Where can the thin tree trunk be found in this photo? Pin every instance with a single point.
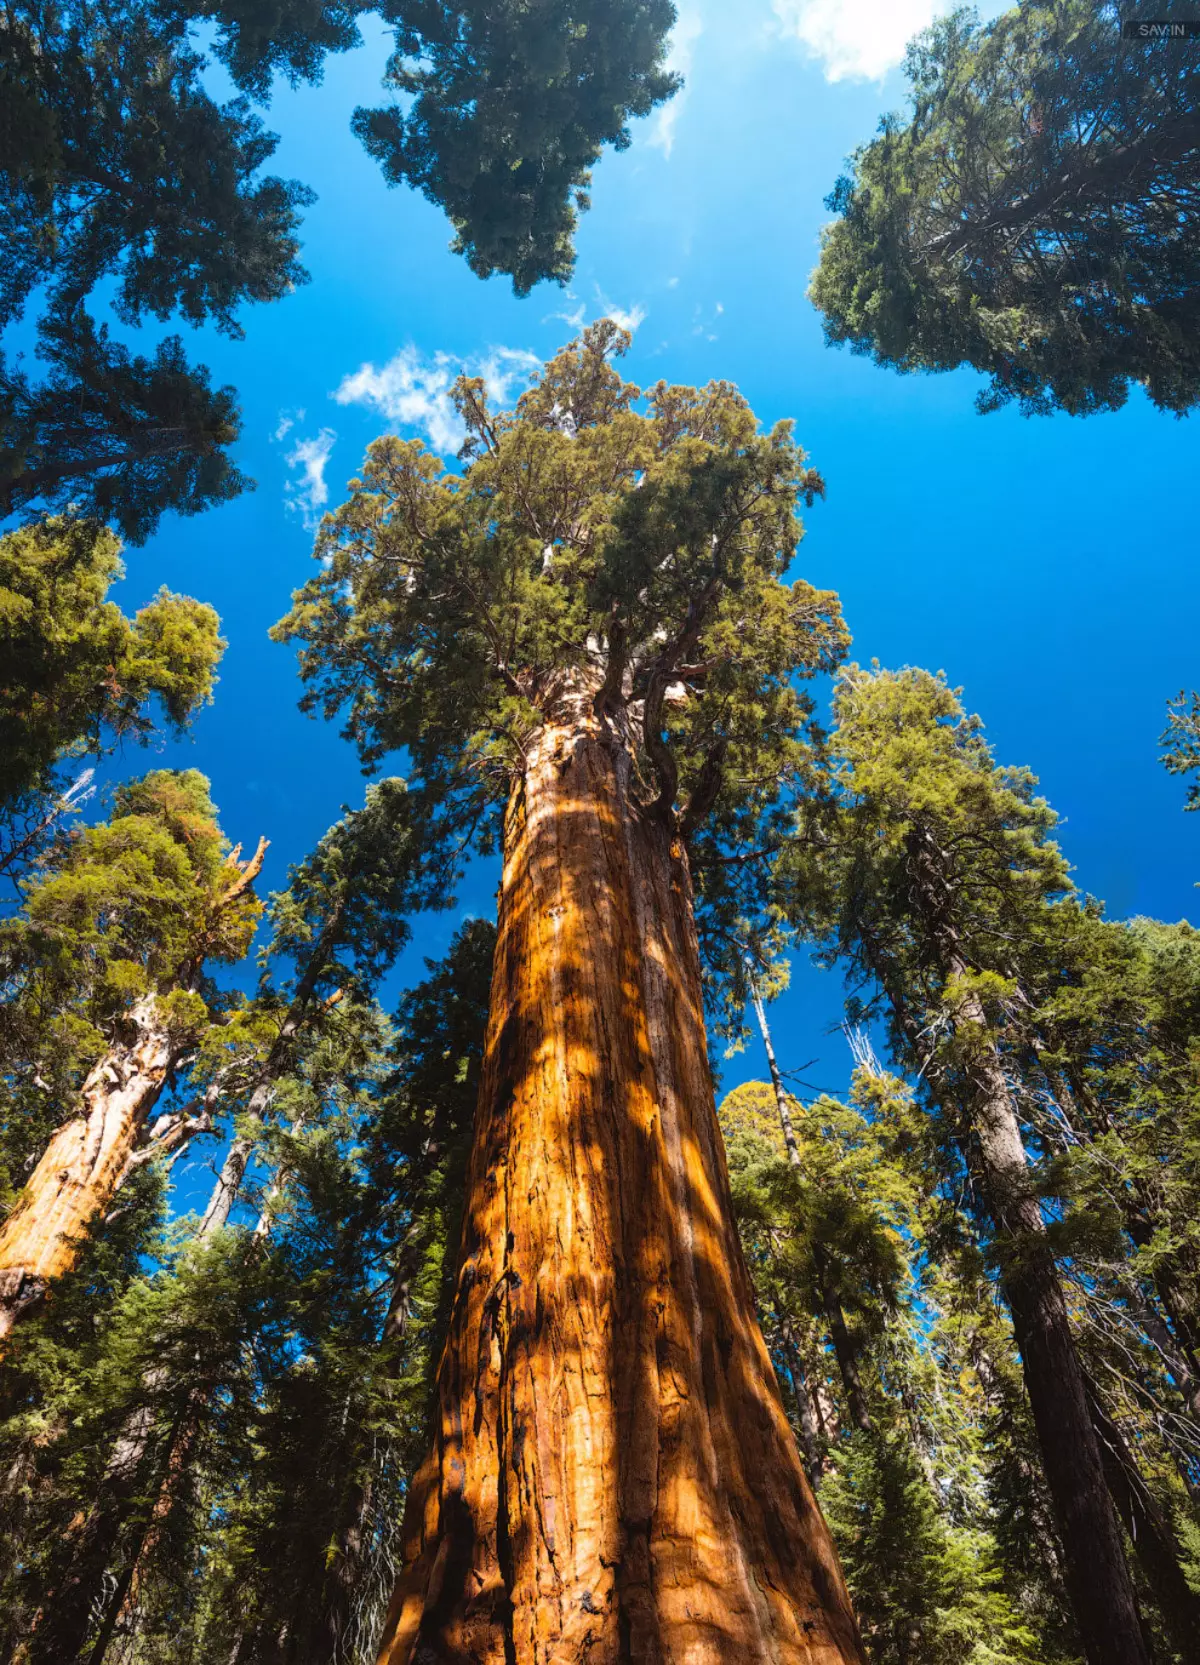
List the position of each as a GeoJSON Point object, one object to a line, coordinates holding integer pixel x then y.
{"type": "Point", "coordinates": [844, 1350]}
{"type": "Point", "coordinates": [612, 1474]}
{"type": "Point", "coordinates": [1097, 1576]}
{"type": "Point", "coordinates": [804, 1408]}
{"type": "Point", "coordinates": [233, 1169]}
{"type": "Point", "coordinates": [79, 1170]}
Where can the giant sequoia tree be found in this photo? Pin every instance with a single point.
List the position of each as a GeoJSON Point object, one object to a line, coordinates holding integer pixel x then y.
{"type": "Point", "coordinates": [1034, 214]}
{"type": "Point", "coordinates": [588, 625]}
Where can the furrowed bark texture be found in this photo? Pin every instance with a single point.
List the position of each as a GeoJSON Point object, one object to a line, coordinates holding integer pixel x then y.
{"type": "Point", "coordinates": [79, 1171]}
{"type": "Point", "coordinates": [612, 1475]}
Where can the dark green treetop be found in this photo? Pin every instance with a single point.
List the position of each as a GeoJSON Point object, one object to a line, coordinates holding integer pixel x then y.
{"type": "Point", "coordinates": [639, 553]}
{"type": "Point", "coordinates": [121, 176]}
{"type": "Point", "coordinates": [511, 105]}
{"type": "Point", "coordinates": [912, 771]}
{"type": "Point", "coordinates": [1033, 213]}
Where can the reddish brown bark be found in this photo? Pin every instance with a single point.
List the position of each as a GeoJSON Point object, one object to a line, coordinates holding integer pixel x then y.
{"type": "Point", "coordinates": [612, 1474]}
{"type": "Point", "coordinates": [83, 1163]}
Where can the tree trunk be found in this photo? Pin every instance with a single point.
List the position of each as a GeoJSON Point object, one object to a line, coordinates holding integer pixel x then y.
{"type": "Point", "coordinates": [78, 1173]}
{"type": "Point", "coordinates": [612, 1474]}
{"type": "Point", "coordinates": [1096, 1573]}
{"type": "Point", "coordinates": [1150, 1532]}
{"type": "Point", "coordinates": [813, 1462]}
{"type": "Point", "coordinates": [1097, 1577]}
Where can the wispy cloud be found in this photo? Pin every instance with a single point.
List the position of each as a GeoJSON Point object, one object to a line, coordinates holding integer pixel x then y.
{"type": "Point", "coordinates": [575, 319]}
{"type": "Point", "coordinates": [413, 391]}
{"type": "Point", "coordinates": [687, 31]}
{"type": "Point", "coordinates": [287, 421]}
{"type": "Point", "coordinates": [856, 39]}
{"type": "Point", "coordinates": [308, 491]}
{"type": "Point", "coordinates": [622, 318]}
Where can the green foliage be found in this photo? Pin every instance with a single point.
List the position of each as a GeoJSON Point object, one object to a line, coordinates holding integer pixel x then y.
{"type": "Point", "coordinates": [1033, 214]}
{"type": "Point", "coordinates": [346, 904]}
{"type": "Point", "coordinates": [923, 1590]}
{"type": "Point", "coordinates": [510, 108]}
{"type": "Point", "coordinates": [79, 675]}
{"type": "Point", "coordinates": [121, 176]}
{"type": "Point", "coordinates": [585, 545]}
{"type": "Point", "coordinates": [301, 1361]}
{"type": "Point", "coordinates": [937, 1515]}
{"type": "Point", "coordinates": [112, 435]}
{"type": "Point", "coordinates": [118, 169]}
{"type": "Point", "coordinates": [1181, 742]}
{"type": "Point", "coordinates": [135, 906]}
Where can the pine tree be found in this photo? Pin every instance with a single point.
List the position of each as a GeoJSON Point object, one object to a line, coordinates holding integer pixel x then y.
{"type": "Point", "coordinates": [1033, 214]}
{"type": "Point", "coordinates": [938, 865]}
{"type": "Point", "coordinates": [590, 622]}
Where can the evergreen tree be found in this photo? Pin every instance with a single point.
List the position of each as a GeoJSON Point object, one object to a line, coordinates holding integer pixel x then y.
{"type": "Point", "coordinates": [510, 107]}
{"type": "Point", "coordinates": [119, 172]}
{"type": "Point", "coordinates": [79, 676]}
{"type": "Point", "coordinates": [1033, 214]}
{"type": "Point", "coordinates": [1181, 740]}
{"type": "Point", "coordinates": [926, 1593]}
{"type": "Point", "coordinates": [590, 622]}
{"type": "Point", "coordinates": [108, 977]}
{"type": "Point", "coordinates": [938, 865]}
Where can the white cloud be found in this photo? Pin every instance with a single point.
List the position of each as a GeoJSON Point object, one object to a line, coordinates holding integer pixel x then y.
{"type": "Point", "coordinates": [575, 319]}
{"type": "Point", "coordinates": [287, 421]}
{"type": "Point", "coordinates": [856, 39]}
{"type": "Point", "coordinates": [687, 31]}
{"type": "Point", "coordinates": [414, 392]}
{"type": "Point", "coordinates": [308, 493]}
{"type": "Point", "coordinates": [625, 320]}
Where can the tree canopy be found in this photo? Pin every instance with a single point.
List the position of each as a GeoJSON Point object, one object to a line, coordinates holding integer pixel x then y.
{"type": "Point", "coordinates": [1033, 213]}
{"type": "Point", "coordinates": [123, 180]}
{"type": "Point", "coordinates": [635, 555]}
{"type": "Point", "coordinates": [79, 676]}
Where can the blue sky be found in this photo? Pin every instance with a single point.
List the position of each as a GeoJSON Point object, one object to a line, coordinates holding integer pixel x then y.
{"type": "Point", "coordinates": [1048, 566]}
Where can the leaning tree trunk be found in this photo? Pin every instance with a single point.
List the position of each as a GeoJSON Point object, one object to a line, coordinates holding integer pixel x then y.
{"type": "Point", "coordinates": [612, 1475]}
{"type": "Point", "coordinates": [79, 1171]}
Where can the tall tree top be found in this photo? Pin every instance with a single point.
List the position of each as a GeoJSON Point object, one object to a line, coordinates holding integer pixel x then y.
{"type": "Point", "coordinates": [921, 807]}
{"type": "Point", "coordinates": [602, 547]}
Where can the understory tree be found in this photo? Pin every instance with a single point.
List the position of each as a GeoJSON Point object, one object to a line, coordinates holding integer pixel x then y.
{"type": "Point", "coordinates": [585, 645]}
{"type": "Point", "coordinates": [1033, 213]}
{"type": "Point", "coordinates": [217, 1468]}
{"type": "Point", "coordinates": [907, 1446]}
